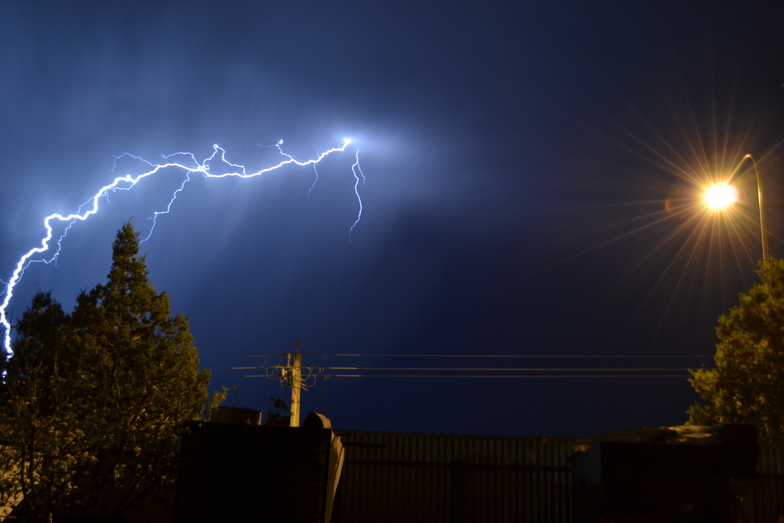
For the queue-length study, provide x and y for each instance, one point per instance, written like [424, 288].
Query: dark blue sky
[519, 159]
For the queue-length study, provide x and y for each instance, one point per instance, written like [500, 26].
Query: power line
[511, 376]
[475, 376]
[555, 356]
[497, 369]
[500, 356]
[317, 369]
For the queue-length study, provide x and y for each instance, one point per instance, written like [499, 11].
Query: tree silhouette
[93, 402]
[747, 383]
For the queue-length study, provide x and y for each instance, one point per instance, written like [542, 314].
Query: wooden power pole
[296, 386]
[292, 373]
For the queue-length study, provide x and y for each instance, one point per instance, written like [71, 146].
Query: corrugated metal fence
[432, 478]
[769, 486]
[394, 477]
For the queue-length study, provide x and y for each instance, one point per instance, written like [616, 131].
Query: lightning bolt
[191, 166]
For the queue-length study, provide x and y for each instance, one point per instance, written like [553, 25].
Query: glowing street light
[721, 196]
[718, 197]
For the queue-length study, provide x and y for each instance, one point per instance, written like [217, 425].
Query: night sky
[531, 168]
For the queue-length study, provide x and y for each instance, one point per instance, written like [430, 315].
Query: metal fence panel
[393, 477]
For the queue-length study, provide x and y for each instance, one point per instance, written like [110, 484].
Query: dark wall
[238, 473]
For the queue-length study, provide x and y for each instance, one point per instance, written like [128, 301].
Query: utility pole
[291, 372]
[296, 386]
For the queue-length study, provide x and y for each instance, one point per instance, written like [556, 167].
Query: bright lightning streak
[357, 170]
[127, 182]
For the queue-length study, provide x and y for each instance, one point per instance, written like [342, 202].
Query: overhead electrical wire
[575, 356]
[315, 370]
[509, 376]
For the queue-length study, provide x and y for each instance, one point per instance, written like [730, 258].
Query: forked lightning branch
[215, 166]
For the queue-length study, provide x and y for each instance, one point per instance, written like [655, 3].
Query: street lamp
[722, 195]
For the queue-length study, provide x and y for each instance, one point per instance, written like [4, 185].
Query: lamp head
[720, 196]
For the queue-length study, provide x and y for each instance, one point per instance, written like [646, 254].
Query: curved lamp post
[722, 195]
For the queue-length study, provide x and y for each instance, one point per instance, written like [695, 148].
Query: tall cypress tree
[747, 383]
[130, 379]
